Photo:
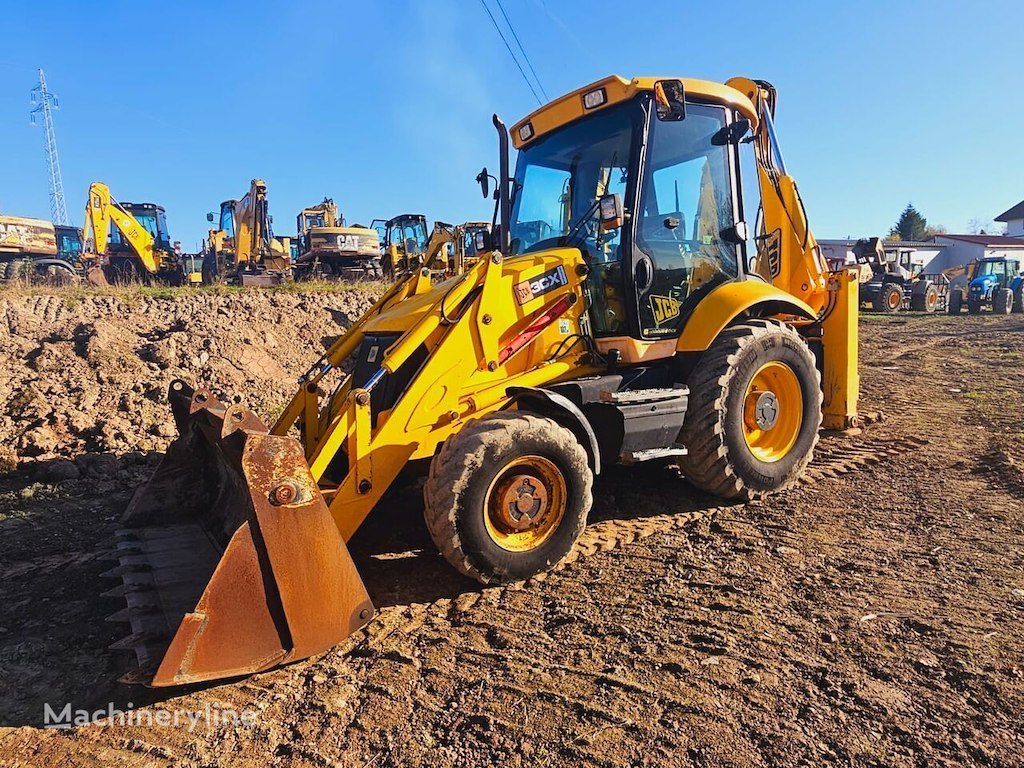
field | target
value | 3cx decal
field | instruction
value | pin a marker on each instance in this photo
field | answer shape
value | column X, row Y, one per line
column 665, row 308
column 538, row 286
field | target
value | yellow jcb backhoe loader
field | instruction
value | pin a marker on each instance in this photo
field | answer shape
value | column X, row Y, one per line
column 681, row 309
column 329, row 249
column 129, row 243
column 404, row 241
column 451, row 250
column 243, row 250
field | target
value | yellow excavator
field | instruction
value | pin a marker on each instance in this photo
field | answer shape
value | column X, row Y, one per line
column 128, row 242
column 673, row 304
column 329, row 249
column 243, row 249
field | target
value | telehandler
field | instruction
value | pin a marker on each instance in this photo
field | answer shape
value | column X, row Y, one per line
column 677, row 306
column 243, row 249
column 128, row 242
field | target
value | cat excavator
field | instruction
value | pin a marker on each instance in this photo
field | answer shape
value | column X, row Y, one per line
column 128, row 242
column 243, row 249
column 674, row 306
column 328, row 248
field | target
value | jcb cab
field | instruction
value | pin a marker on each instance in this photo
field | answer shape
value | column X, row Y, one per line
column 651, row 289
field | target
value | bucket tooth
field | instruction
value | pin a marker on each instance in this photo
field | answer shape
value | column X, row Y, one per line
column 120, row 571
column 124, row 616
column 119, row 591
column 138, row 676
column 135, row 641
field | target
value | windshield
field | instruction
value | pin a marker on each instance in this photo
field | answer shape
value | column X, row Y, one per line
column 227, row 219
column 409, row 234
column 560, row 177
column 69, row 245
column 997, row 268
column 314, row 220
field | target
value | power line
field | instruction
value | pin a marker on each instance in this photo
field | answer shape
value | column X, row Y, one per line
column 523, row 50
column 510, row 53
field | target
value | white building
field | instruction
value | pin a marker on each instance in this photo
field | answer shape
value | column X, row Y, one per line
column 960, row 250
column 1014, row 220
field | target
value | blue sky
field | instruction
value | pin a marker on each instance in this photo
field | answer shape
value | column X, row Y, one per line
column 386, row 106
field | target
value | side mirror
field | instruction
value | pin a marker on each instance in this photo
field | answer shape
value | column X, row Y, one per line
column 611, row 211
column 484, row 180
column 480, row 241
column 670, row 99
column 736, row 234
column 209, row 217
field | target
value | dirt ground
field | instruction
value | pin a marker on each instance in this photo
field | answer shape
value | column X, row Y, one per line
column 872, row 616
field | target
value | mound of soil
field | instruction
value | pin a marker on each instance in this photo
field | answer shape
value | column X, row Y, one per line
column 89, row 375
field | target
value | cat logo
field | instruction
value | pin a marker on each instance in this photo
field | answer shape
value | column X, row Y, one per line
column 538, row 286
column 665, row 308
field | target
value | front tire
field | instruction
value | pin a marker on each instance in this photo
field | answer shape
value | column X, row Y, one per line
column 508, row 496
column 754, row 413
column 955, row 302
column 1002, row 301
column 973, row 306
column 889, row 298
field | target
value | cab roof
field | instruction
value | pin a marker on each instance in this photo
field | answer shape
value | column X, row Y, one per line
column 569, row 108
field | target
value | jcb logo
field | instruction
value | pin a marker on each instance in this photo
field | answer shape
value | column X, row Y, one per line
column 769, row 252
column 665, row 308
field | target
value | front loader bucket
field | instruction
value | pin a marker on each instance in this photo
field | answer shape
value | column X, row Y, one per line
column 230, row 560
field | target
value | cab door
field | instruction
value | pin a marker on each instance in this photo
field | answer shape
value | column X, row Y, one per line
column 684, row 235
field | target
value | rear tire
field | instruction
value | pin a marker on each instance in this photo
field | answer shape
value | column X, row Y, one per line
column 505, row 465
column 1018, row 299
column 1002, row 301
column 729, row 453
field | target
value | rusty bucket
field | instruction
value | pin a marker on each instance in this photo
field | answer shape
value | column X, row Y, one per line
column 229, row 558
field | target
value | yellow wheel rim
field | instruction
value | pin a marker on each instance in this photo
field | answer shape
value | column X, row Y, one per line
column 525, row 503
column 895, row 299
column 773, row 411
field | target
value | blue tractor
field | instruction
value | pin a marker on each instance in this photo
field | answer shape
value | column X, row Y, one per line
column 995, row 282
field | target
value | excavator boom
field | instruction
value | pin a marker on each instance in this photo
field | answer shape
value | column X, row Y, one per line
column 101, row 211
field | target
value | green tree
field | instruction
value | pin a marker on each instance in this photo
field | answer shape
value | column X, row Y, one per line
column 911, row 225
